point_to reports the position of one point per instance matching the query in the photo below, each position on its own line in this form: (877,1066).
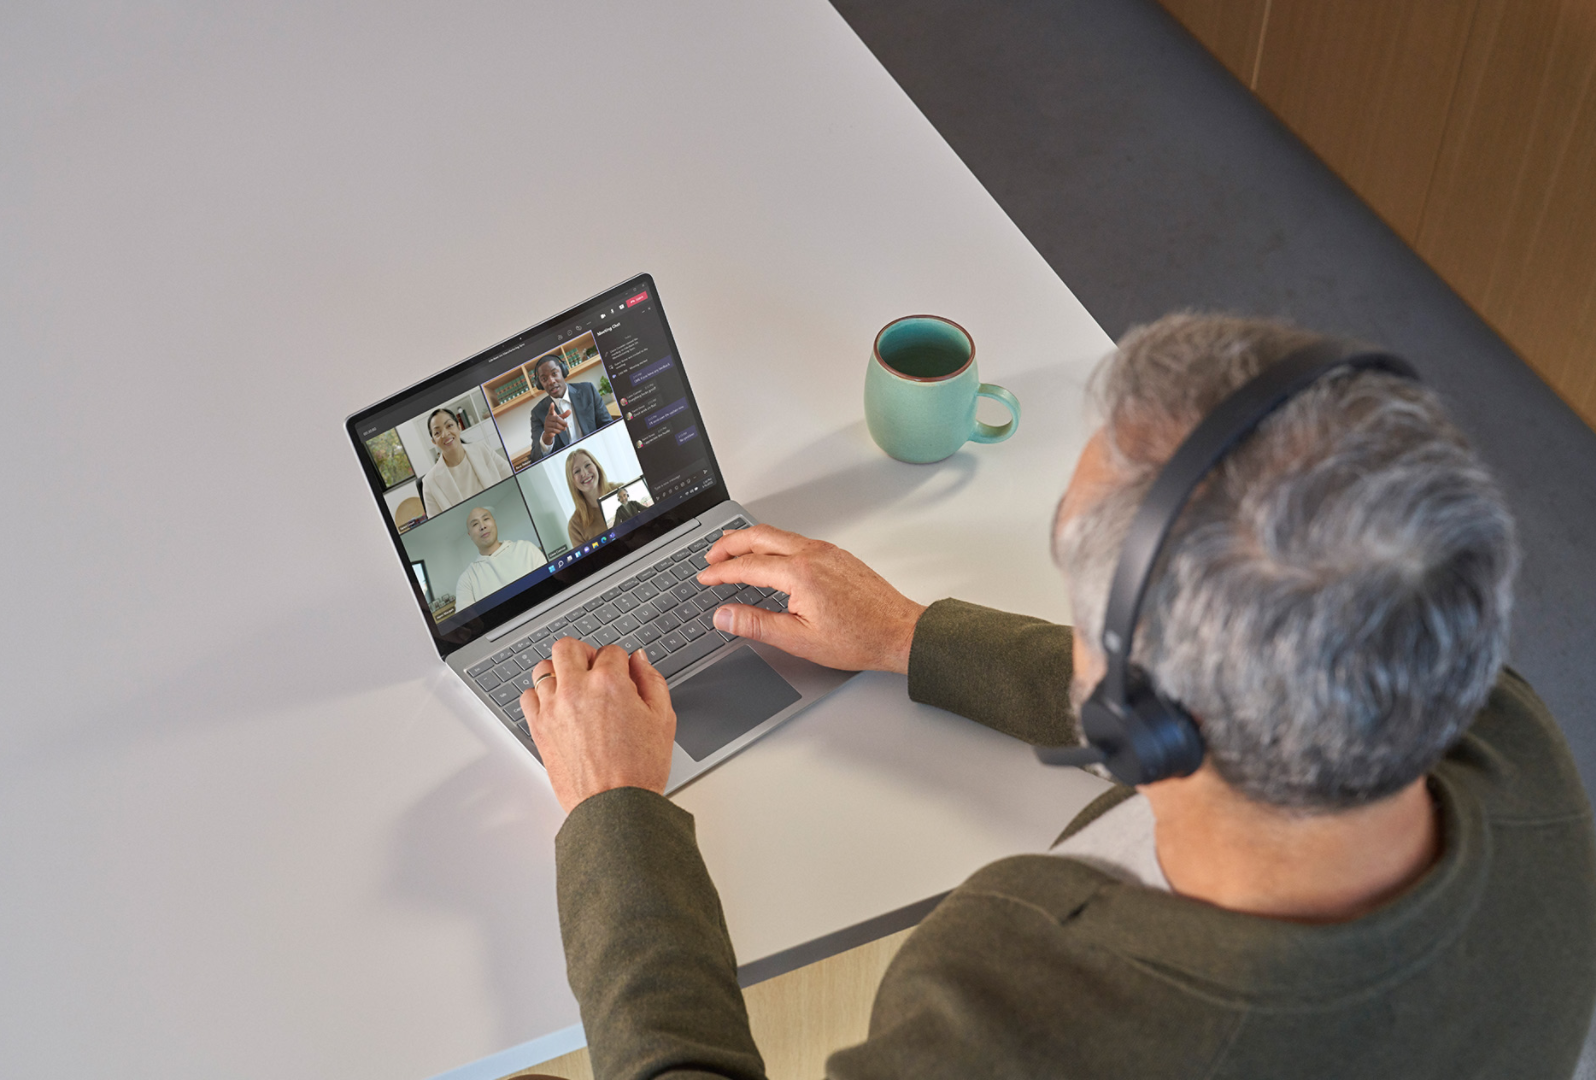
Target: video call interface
(538,455)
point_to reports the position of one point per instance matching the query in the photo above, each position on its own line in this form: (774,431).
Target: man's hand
(553,423)
(603,720)
(842,613)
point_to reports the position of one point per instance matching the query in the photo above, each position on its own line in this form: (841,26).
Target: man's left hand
(601,720)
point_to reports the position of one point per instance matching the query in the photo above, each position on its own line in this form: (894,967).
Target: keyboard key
(673,640)
(727,591)
(769,604)
(507,670)
(668,621)
(627,602)
(626,624)
(737,523)
(648,634)
(502,655)
(657,653)
(716,535)
(646,592)
(663,564)
(706,601)
(527,659)
(678,556)
(691,654)
(698,562)
(644,575)
(779,595)
(607,614)
(524,680)
(685,612)
(513,709)
(555,626)
(522,645)
(593,604)
(611,594)
(606,636)
(750,596)
(631,643)
(631,583)
(645,612)
(478,669)
(506,694)
(693,630)
(587,625)
(544,648)
(685,571)
(699,545)
(488,680)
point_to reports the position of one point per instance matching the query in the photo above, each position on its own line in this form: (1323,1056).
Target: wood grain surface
(1469,126)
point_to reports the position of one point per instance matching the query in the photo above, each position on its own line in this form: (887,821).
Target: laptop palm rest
(727,699)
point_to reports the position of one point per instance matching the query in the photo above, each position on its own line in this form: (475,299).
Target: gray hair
(1333,603)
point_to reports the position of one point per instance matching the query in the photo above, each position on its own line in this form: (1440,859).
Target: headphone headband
(1229,423)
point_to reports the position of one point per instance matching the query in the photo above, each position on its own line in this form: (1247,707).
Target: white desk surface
(249,824)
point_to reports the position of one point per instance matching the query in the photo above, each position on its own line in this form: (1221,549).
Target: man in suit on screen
(569,411)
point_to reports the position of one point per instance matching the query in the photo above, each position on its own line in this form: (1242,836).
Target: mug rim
(875,350)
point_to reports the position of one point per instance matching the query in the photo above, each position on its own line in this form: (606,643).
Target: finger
(772,627)
(541,690)
(767,571)
(761,539)
(650,683)
(610,661)
(572,657)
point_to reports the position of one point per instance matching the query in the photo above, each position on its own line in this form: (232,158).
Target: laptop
(561,484)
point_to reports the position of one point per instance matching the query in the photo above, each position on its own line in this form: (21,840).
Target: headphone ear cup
(1165,736)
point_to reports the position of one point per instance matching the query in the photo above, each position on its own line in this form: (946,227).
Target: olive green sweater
(1039,966)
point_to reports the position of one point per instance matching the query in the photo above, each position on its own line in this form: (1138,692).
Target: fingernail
(723,619)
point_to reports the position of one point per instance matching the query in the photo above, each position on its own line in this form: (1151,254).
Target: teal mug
(921,388)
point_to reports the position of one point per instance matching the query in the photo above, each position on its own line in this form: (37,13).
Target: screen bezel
(656,522)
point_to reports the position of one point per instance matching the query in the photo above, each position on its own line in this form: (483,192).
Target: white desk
(249,826)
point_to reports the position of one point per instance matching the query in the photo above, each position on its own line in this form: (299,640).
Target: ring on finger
(540,678)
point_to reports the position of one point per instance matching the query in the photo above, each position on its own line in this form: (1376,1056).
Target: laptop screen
(523,470)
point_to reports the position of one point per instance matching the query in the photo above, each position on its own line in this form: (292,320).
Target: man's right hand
(841,613)
(553,424)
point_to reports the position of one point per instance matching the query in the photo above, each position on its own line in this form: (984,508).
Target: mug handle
(988,433)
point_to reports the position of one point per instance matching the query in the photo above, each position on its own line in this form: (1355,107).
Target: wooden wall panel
(1511,217)
(1368,85)
(1230,29)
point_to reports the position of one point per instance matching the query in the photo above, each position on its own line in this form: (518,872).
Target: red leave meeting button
(638,299)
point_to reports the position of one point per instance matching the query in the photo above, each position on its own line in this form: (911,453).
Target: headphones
(558,357)
(1140,735)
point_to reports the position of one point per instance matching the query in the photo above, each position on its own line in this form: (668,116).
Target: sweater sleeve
(647,952)
(1009,672)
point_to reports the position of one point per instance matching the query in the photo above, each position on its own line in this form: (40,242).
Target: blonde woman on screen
(462,470)
(585,477)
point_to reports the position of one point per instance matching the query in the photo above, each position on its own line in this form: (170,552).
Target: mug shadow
(861,480)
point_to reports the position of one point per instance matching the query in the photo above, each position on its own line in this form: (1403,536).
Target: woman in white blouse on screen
(462,470)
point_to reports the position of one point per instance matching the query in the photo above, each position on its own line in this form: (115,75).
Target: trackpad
(727,699)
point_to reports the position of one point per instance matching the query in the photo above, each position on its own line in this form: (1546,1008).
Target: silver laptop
(561,484)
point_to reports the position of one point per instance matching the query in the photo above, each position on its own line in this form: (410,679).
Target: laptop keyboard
(661,608)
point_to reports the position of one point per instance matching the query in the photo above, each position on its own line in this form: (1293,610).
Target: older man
(1385,865)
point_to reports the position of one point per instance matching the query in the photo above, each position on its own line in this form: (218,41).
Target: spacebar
(691,652)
